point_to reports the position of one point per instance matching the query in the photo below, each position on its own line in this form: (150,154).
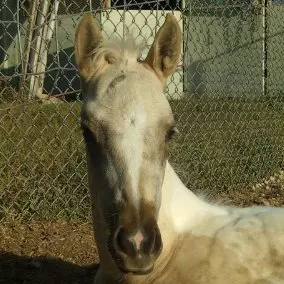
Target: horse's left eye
(85,129)
(171,133)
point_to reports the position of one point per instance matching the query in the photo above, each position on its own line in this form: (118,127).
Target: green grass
(228,144)
(42,162)
(224,145)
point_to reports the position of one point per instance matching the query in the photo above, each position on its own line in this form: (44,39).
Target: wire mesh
(226,95)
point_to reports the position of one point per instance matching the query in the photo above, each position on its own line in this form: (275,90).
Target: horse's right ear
(88,37)
(164,53)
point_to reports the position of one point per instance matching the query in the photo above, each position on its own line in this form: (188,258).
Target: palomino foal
(148,226)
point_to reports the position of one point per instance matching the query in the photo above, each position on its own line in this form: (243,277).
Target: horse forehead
(126,97)
(132,117)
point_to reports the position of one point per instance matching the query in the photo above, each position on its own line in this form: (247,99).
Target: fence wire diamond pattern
(227,96)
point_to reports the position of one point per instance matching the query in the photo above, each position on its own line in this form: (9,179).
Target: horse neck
(180,207)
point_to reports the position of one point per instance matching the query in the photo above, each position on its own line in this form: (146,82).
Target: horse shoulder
(235,247)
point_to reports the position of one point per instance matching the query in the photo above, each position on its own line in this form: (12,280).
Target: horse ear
(88,37)
(164,53)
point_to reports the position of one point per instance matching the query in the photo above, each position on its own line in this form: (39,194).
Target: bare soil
(269,192)
(47,252)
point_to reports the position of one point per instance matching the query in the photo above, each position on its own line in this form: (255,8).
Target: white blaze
(132,147)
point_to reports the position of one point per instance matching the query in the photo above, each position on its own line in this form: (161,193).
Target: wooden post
(42,61)
(32,11)
(46,18)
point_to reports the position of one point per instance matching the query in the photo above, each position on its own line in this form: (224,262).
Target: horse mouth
(135,270)
(134,266)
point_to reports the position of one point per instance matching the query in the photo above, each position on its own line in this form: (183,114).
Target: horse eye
(85,129)
(83,126)
(171,133)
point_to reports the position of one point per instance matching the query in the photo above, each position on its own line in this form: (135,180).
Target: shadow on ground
(42,270)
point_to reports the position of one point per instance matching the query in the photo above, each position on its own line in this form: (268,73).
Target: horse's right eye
(171,133)
(87,133)
(85,129)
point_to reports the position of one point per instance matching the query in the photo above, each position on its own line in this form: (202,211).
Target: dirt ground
(63,252)
(47,252)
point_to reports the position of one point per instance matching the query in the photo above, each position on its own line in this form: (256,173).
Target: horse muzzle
(137,249)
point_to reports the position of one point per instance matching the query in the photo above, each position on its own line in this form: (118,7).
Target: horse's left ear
(88,37)
(164,53)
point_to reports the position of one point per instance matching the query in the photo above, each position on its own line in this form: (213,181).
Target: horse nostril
(124,243)
(153,243)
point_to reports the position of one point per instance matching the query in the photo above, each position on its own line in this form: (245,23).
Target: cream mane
(115,51)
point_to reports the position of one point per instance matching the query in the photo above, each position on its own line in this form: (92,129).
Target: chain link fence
(227,96)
